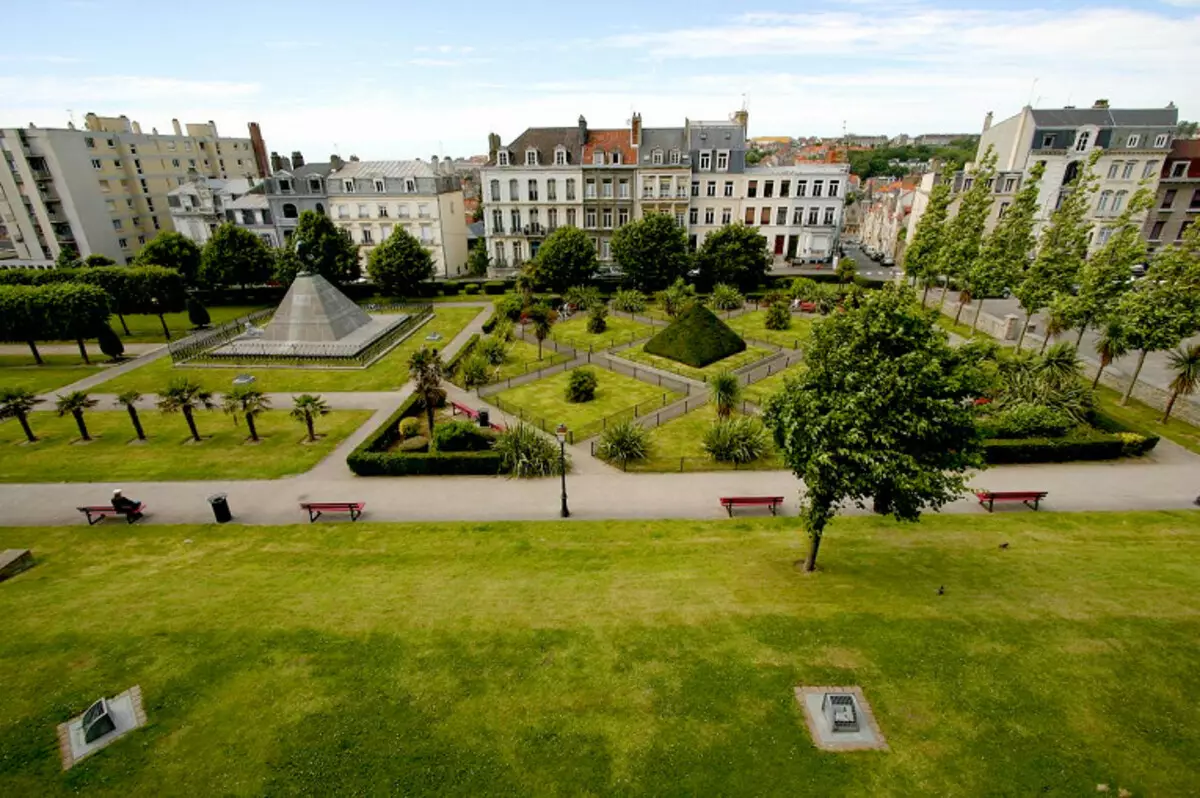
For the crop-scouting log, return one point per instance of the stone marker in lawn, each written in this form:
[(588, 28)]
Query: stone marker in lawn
[(102, 724), (840, 719)]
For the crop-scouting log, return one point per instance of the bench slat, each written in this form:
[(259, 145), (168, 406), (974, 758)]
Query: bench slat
[(315, 509), (988, 498), (729, 502)]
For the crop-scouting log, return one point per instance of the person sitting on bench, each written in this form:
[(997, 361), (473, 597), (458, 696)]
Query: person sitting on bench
[(127, 506)]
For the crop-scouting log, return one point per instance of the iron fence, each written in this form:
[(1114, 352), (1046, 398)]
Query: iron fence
[(585, 431)]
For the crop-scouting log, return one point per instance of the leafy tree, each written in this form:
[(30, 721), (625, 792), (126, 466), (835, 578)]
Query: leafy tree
[(400, 264), (1006, 251), (963, 236), (542, 318), (753, 156), (567, 257), (77, 311), (427, 369), (17, 403), (879, 412), (735, 255), (172, 250), (778, 317), (624, 441), (726, 391), (1185, 130), (1062, 247), (922, 256), (247, 402), (67, 258), (1185, 367), (197, 314), (475, 371), (677, 298), (478, 260), (581, 387), (110, 344), (307, 408), (96, 260), (652, 251), (130, 399), (235, 256), (526, 282), (324, 248), (287, 265), (1110, 346), (75, 403), (184, 396), (846, 269)]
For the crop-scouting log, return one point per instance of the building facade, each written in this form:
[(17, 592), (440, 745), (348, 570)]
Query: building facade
[(294, 190), (1177, 202), (369, 199), (197, 207), (104, 189), (253, 212), (885, 221)]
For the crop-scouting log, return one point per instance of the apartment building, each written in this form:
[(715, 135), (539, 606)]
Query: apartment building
[(252, 211), (798, 208), (298, 188), (885, 222), (609, 170), (665, 172), (718, 160), (197, 208), (1177, 202), (370, 198), (104, 189)]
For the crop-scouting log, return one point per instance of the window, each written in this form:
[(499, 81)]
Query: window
[(379, 186), (402, 211), (89, 142), (797, 216), (1179, 168), (1105, 198), (710, 190), (817, 186), (572, 217), (589, 218), (1183, 229), (623, 189), (320, 209), (533, 191), (785, 187), (829, 212), (137, 164), (833, 188), (385, 232), (514, 191), (531, 157), (1127, 172), (109, 142), (695, 188), (117, 224), (362, 212), (606, 188), (1047, 140), (722, 161), (515, 217), (1082, 140), (497, 220), (533, 219), (752, 189), (622, 216), (426, 234), (764, 216), (423, 211), (551, 189), (221, 164), (1010, 185), (314, 185), (123, 243), (552, 218), (141, 239), (343, 211), (605, 249), (781, 216), (1113, 168), (1119, 201), (95, 163), (1156, 231), (570, 189), (289, 211), (518, 252), (383, 211), (606, 218), (410, 186), (1168, 199), (502, 158), (494, 190), (656, 157), (598, 158), (708, 215), (676, 157), (694, 215), (589, 188), (768, 189), (749, 218), (1149, 169), (1161, 139), (133, 149), (347, 186), (705, 160), (1195, 203), (150, 204), (801, 188), (1105, 233), (1133, 141), (813, 214), (560, 156)]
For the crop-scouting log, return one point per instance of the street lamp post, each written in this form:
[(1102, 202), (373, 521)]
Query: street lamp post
[(561, 432)]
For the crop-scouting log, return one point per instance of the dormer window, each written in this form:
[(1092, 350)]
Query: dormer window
[(1161, 139), (410, 185), (616, 156), (675, 157), (560, 156), (656, 157), (314, 185), (503, 157), (348, 186), (1133, 141), (1083, 140), (598, 157), (379, 188), (531, 157), (285, 186)]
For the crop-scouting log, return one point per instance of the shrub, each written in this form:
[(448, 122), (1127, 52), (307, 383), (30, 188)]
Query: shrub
[(409, 427), (197, 314), (584, 297), (504, 329), (774, 297), (678, 298), (1132, 444), (110, 344), (417, 443), (624, 441), (597, 319), (509, 307), (524, 452), (581, 387), (726, 297), (493, 350), (1027, 421), (778, 317), (802, 288), (736, 440), (475, 371), (494, 287), (450, 289), (629, 301), (461, 436), (696, 338), (472, 288)]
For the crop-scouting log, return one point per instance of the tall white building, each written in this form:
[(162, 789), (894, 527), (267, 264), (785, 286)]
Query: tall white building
[(198, 207)]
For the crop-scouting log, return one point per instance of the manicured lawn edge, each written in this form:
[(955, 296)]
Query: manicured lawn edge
[(369, 458)]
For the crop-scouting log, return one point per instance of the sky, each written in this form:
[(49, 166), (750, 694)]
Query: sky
[(389, 80)]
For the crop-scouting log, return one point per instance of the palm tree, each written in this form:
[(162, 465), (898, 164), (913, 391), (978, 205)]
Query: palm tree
[(426, 368), (1056, 325), (1110, 346), (129, 399), (248, 402), (75, 403), (1185, 362), (726, 390), (185, 396), (525, 284), (308, 407), (16, 403), (543, 320), (1060, 365)]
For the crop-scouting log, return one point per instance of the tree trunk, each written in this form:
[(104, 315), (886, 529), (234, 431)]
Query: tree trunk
[(137, 422), (1099, 371), (958, 313), (191, 422), (429, 416), (882, 502), (978, 311), (124, 326), (1045, 340), (810, 564), (25, 426), (1170, 406), (163, 321), (1024, 328), (83, 351), (1079, 338), (945, 290), (925, 296), (539, 349), (250, 426), (1133, 379), (37, 356), (83, 433), (312, 435)]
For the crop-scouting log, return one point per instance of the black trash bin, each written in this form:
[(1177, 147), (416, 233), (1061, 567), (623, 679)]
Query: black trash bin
[(220, 507), (483, 419)]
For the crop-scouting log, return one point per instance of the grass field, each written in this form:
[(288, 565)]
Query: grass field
[(545, 399), (166, 455), (749, 355), (523, 358), (19, 371), (147, 329), (387, 374), (1141, 416), (677, 445), (759, 391), (573, 333), (753, 325), (635, 658)]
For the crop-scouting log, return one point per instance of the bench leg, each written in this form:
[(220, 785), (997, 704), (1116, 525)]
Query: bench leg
[(313, 515), (1033, 506), (93, 521), (729, 509), (773, 506), (354, 514)]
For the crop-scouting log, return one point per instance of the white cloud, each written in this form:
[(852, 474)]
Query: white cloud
[(118, 89), (444, 49)]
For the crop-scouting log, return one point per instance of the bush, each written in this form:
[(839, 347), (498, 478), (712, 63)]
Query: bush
[(726, 297), (581, 386), (493, 350), (197, 315), (524, 452), (868, 282), (409, 428), (461, 436), (494, 287), (678, 298), (450, 289), (736, 440), (696, 338), (624, 441), (597, 319), (417, 443), (504, 330), (803, 288), (110, 344), (472, 288), (629, 301), (583, 297), (1027, 421), (774, 297), (509, 307), (475, 371), (778, 317)]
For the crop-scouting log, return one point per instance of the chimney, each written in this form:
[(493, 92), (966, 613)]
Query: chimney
[(987, 122), (1100, 105), (433, 161), (137, 128), (213, 127), (260, 149), (582, 130), (297, 159), (742, 117), (91, 121), (276, 162), (336, 162), (493, 146), (176, 127), (635, 130)]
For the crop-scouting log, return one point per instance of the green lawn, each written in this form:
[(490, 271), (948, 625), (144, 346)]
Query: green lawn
[(634, 658), (759, 391), (1141, 416), (678, 446), (167, 455), (963, 328), (545, 400), (753, 325), (573, 333), (638, 354), (523, 358), (387, 374), (147, 329), (19, 371)]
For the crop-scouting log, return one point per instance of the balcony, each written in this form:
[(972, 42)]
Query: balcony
[(533, 230)]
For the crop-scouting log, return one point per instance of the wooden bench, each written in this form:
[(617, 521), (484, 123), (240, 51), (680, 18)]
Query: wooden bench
[(457, 408), (316, 508), (99, 512), (987, 498), (729, 502)]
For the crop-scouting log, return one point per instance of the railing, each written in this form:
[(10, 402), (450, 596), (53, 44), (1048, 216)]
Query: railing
[(590, 429), (582, 345)]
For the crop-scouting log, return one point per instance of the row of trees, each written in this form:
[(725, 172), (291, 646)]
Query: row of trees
[(53, 312)]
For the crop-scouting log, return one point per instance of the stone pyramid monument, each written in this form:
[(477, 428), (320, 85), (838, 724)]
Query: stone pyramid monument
[(314, 311)]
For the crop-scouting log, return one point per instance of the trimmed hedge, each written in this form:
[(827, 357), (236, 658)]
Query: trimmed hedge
[(1115, 440), (450, 289), (495, 287), (451, 369), (696, 338)]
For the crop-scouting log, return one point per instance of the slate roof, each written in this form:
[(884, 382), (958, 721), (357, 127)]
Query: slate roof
[(610, 141), (1106, 117), (320, 169), (251, 200), (545, 140), (665, 139), (370, 169)]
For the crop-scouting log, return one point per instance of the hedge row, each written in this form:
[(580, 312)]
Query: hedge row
[(132, 289), (453, 363), (51, 312), (1117, 441)]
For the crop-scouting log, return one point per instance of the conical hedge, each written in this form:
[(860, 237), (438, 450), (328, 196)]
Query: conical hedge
[(696, 338)]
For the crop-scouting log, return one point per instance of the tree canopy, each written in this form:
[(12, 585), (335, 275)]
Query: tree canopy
[(235, 256), (735, 255), (400, 264), (923, 255), (1005, 254), (567, 257), (963, 236), (172, 250), (652, 251), (325, 249)]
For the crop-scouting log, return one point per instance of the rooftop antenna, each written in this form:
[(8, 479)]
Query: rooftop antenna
[(71, 115), (1032, 89)]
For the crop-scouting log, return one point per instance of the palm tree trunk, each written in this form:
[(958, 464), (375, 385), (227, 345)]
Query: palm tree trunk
[(137, 422), (1170, 406), (21, 417), (925, 296), (1045, 341), (1079, 338), (83, 351), (958, 313), (1099, 371), (191, 422), (1024, 328), (308, 421), (250, 426), (1133, 379), (978, 311), (429, 416), (37, 356), (539, 351), (945, 290), (83, 432), (163, 321), (124, 326)]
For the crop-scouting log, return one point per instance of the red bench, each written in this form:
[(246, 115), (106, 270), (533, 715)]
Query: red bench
[(99, 512), (808, 307), (729, 502), (316, 508), (457, 408), (987, 498)]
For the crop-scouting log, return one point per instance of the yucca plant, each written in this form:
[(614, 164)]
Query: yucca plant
[(624, 441), (524, 452), (249, 403), (726, 297), (16, 403), (1110, 346), (185, 396), (75, 403), (737, 440), (726, 391), (306, 408)]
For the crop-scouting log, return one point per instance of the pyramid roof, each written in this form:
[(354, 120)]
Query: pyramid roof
[(314, 311)]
